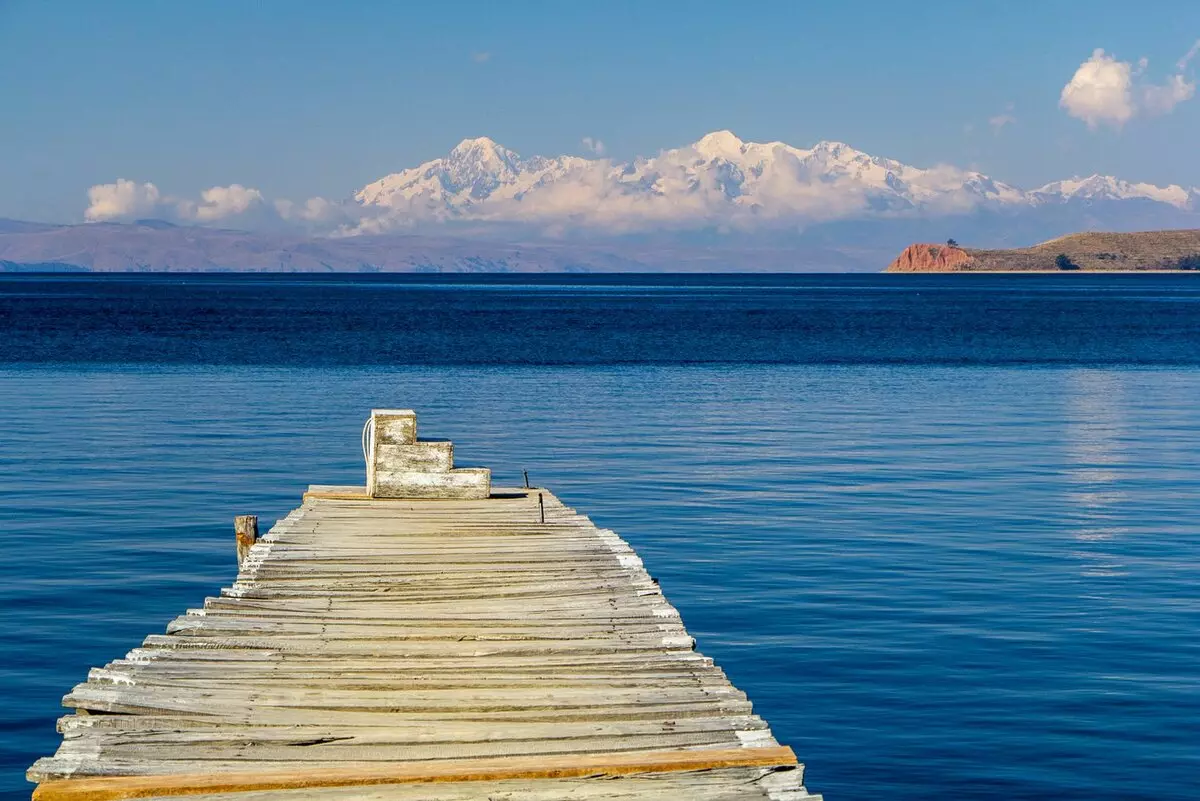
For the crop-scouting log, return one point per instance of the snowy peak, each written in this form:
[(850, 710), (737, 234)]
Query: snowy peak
[(476, 167), (482, 155), (719, 180), (1106, 187), (481, 144), (470, 172), (474, 173), (719, 145), (836, 151)]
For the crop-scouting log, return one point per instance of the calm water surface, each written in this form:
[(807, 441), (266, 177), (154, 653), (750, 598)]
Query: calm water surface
[(945, 558)]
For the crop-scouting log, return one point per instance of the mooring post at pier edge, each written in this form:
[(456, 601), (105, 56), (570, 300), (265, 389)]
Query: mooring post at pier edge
[(425, 639), (245, 530)]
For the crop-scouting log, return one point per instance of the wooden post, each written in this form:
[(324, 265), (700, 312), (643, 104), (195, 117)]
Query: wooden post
[(526, 472), (541, 507), (245, 528)]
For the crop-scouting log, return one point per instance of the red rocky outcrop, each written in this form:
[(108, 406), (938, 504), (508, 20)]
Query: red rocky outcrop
[(924, 258)]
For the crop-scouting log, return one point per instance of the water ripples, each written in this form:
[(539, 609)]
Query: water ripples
[(961, 583)]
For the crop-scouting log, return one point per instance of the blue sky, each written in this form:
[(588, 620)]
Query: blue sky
[(302, 99)]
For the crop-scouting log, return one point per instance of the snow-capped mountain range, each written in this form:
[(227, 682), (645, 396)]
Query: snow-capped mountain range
[(719, 181), (719, 204)]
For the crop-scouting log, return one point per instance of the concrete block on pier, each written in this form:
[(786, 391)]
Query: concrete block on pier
[(464, 483), (394, 426), (401, 466), (421, 456)]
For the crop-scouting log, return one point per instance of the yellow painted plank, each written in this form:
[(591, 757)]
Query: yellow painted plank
[(541, 767)]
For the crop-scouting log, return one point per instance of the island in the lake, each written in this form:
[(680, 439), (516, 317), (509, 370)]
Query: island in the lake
[(1087, 252)]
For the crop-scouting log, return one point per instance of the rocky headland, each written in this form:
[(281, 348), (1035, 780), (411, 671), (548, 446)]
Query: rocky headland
[(1085, 252)]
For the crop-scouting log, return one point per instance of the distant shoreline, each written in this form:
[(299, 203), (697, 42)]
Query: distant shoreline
[(522, 278), (1042, 272), (1143, 252)]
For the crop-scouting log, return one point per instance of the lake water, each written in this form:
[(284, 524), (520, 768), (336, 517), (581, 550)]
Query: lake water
[(943, 530)]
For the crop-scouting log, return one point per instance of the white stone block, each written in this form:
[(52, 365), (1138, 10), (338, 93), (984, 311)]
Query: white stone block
[(401, 466), (426, 456), (394, 426), (468, 483)]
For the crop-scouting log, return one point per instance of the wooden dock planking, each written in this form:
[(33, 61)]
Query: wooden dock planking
[(432, 649)]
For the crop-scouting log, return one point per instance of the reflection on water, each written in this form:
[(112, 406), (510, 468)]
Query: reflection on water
[(912, 571), (1094, 431)]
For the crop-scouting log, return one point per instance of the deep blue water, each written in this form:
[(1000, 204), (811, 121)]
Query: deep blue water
[(944, 530)]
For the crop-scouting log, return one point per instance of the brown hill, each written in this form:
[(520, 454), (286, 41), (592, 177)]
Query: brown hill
[(154, 245), (1091, 252)]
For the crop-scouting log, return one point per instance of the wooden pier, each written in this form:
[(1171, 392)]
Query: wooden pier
[(498, 647)]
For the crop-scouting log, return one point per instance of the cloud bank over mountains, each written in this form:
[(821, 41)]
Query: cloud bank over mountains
[(718, 183), (717, 205), (128, 200)]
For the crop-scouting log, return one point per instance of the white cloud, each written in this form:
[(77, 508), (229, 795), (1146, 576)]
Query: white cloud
[(1163, 99), (125, 200), (318, 215), (315, 209), (1002, 120), (593, 145), (121, 200), (1100, 91), (1188, 56), (481, 57), (219, 203), (1105, 91)]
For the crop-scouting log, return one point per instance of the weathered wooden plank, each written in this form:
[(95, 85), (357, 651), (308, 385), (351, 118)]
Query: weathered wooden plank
[(81, 754), (399, 729), (278, 661), (536, 705), (215, 626), (303, 719), (725, 784), (417, 649), (461, 697), (376, 684), (482, 770)]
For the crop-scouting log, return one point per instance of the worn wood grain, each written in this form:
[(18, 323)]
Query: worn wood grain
[(245, 532), (542, 767)]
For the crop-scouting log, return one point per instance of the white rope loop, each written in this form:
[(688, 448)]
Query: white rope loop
[(368, 442)]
